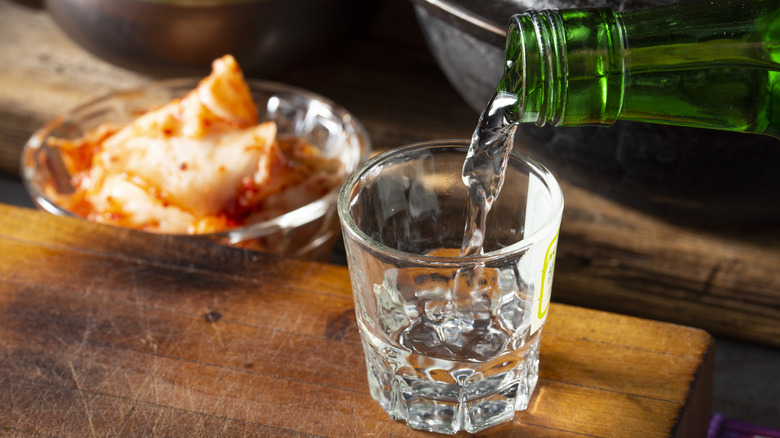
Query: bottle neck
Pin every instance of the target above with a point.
(568, 67)
(692, 63)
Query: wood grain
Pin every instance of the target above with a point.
(610, 257)
(632, 263)
(112, 332)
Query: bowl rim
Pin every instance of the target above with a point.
(461, 17)
(291, 219)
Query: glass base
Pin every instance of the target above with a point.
(434, 398)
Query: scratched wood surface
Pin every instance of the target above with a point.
(609, 257)
(110, 332)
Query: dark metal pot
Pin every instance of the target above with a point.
(176, 37)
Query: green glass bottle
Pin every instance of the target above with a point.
(709, 64)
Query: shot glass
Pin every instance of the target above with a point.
(451, 342)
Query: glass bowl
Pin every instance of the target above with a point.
(308, 231)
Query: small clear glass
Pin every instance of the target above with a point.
(451, 343)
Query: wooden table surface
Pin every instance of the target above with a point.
(609, 257)
(112, 332)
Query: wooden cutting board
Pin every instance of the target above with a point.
(609, 257)
(112, 332)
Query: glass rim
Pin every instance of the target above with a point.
(349, 227)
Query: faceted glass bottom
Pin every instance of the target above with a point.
(432, 397)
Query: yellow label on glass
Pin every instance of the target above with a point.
(541, 302)
(545, 286)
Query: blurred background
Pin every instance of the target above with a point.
(72, 59)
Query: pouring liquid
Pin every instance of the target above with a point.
(485, 163)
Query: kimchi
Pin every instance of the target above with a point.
(198, 164)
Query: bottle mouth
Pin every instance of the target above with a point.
(563, 77)
(537, 65)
